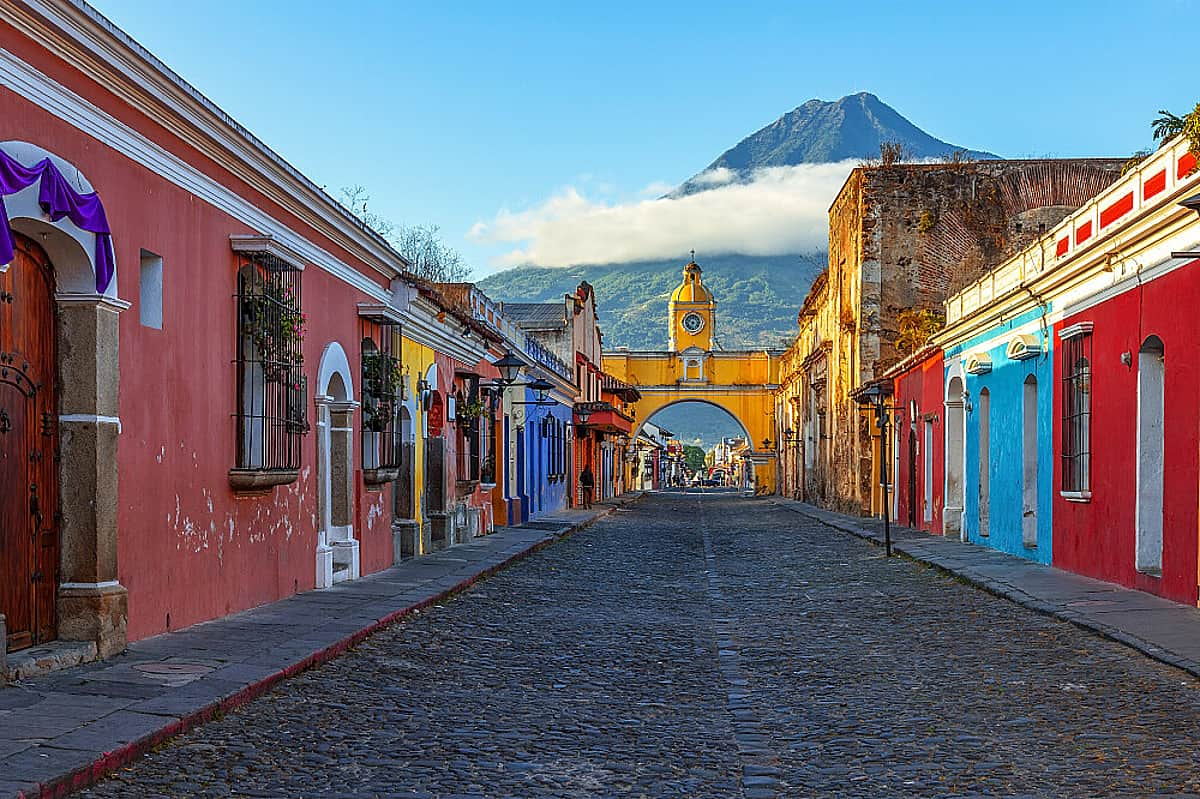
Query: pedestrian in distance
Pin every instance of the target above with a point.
(587, 482)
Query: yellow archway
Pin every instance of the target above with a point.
(740, 382)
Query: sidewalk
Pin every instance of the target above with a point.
(66, 730)
(1166, 631)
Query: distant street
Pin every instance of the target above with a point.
(706, 645)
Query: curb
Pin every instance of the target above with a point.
(1010, 593)
(87, 775)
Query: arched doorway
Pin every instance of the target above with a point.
(82, 585)
(955, 432)
(985, 462)
(1029, 462)
(407, 531)
(700, 424)
(1151, 449)
(337, 549)
(435, 505)
(29, 535)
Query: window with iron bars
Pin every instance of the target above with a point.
(469, 410)
(1077, 413)
(382, 394)
(487, 468)
(272, 391)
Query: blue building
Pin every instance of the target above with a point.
(999, 427)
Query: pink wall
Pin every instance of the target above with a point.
(189, 549)
(1098, 538)
(921, 384)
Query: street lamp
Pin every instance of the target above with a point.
(874, 398)
(542, 387)
(510, 367)
(582, 414)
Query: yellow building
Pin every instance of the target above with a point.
(696, 369)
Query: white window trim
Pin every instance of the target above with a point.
(1077, 329)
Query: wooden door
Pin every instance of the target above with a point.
(912, 476)
(28, 448)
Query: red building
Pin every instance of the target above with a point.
(205, 339)
(1127, 507)
(1105, 303)
(918, 439)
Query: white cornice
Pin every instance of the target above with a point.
(267, 245)
(1077, 329)
(92, 121)
(379, 312)
(1142, 250)
(422, 326)
(89, 42)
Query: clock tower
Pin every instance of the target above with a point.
(692, 312)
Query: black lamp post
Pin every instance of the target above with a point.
(510, 367)
(874, 398)
(542, 387)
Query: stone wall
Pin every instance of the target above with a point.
(905, 237)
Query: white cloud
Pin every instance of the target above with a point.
(779, 210)
(715, 177)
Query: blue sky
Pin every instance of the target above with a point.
(453, 114)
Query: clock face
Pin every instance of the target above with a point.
(693, 323)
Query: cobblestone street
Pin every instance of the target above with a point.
(706, 646)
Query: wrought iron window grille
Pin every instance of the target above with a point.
(272, 390)
(1076, 413)
(382, 394)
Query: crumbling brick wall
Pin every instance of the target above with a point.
(907, 236)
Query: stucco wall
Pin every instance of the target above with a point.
(188, 548)
(903, 237)
(1005, 384)
(1098, 537)
(922, 387)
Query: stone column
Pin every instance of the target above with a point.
(92, 604)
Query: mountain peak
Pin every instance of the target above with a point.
(821, 131)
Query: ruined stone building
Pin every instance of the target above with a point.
(900, 237)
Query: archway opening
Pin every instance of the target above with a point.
(955, 466)
(1151, 447)
(337, 549)
(714, 442)
(1029, 462)
(985, 462)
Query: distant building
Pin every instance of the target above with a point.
(901, 238)
(696, 368)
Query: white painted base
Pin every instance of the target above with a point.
(952, 523)
(324, 567)
(345, 554)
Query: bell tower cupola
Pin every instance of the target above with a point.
(692, 311)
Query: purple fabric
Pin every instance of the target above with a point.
(59, 200)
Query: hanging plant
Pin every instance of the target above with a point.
(470, 410)
(277, 326)
(382, 378)
(382, 375)
(377, 415)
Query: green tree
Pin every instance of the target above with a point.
(916, 328)
(693, 457)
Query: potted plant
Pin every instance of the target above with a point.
(470, 410)
(274, 321)
(381, 382)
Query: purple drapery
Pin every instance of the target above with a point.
(59, 200)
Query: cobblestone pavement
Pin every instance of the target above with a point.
(706, 647)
